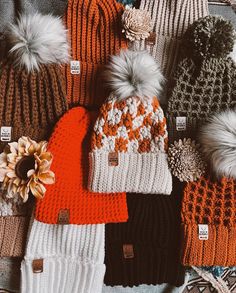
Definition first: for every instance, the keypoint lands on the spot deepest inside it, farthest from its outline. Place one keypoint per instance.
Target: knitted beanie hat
(32, 98)
(130, 138)
(209, 223)
(145, 249)
(205, 81)
(170, 19)
(68, 201)
(61, 259)
(97, 36)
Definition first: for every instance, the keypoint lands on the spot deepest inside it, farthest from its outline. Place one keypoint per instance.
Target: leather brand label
(113, 159)
(151, 40)
(63, 217)
(128, 251)
(37, 266)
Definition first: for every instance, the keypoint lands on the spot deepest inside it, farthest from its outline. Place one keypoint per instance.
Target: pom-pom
(38, 39)
(209, 37)
(218, 140)
(185, 160)
(137, 23)
(134, 73)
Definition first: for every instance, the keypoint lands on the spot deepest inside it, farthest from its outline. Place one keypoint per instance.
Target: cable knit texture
(73, 259)
(134, 130)
(98, 35)
(213, 203)
(153, 233)
(69, 145)
(171, 18)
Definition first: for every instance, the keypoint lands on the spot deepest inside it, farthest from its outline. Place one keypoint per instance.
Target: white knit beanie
(170, 20)
(63, 259)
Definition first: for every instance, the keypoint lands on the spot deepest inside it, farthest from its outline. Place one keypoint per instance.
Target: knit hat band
(219, 249)
(134, 172)
(13, 231)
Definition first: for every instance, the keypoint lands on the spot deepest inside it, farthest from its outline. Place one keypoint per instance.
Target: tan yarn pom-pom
(185, 160)
(137, 24)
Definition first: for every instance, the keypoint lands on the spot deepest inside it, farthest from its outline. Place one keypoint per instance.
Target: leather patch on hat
(151, 40)
(128, 251)
(63, 217)
(37, 266)
(113, 159)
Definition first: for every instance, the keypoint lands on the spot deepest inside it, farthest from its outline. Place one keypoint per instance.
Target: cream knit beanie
(170, 20)
(64, 258)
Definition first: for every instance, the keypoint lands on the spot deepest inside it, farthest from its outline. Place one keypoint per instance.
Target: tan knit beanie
(32, 99)
(170, 20)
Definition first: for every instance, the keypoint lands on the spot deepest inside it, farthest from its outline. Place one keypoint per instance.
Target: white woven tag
(181, 123)
(203, 232)
(75, 67)
(5, 133)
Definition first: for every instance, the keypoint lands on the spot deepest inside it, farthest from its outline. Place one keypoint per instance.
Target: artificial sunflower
(25, 167)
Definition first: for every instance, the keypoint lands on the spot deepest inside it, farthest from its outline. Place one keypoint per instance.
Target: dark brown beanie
(145, 249)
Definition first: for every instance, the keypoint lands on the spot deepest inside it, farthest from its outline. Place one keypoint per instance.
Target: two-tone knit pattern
(135, 130)
(213, 203)
(69, 145)
(170, 20)
(95, 34)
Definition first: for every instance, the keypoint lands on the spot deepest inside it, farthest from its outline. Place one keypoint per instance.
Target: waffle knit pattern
(171, 18)
(95, 34)
(136, 131)
(69, 145)
(73, 259)
(213, 203)
(200, 92)
(153, 232)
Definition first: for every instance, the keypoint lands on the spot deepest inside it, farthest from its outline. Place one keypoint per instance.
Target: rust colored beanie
(210, 203)
(95, 33)
(68, 201)
(32, 99)
(145, 249)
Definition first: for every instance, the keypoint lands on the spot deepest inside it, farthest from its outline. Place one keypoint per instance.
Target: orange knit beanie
(95, 34)
(209, 223)
(68, 201)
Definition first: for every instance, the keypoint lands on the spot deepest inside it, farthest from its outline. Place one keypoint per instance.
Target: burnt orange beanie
(95, 33)
(209, 223)
(68, 201)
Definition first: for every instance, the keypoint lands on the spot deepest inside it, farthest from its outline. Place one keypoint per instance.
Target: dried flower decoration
(25, 167)
(185, 160)
(137, 23)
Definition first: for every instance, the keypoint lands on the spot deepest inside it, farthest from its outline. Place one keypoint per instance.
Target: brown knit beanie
(32, 99)
(95, 34)
(145, 249)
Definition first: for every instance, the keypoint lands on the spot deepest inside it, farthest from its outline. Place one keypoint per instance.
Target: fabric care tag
(37, 266)
(128, 251)
(6, 133)
(113, 159)
(181, 123)
(151, 40)
(203, 232)
(63, 217)
(74, 67)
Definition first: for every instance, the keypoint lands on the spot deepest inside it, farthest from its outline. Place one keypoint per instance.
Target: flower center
(23, 166)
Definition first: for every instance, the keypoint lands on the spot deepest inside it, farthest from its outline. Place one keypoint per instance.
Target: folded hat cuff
(60, 274)
(138, 173)
(13, 234)
(218, 250)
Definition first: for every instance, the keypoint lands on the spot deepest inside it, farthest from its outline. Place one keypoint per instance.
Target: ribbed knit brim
(151, 236)
(98, 35)
(71, 259)
(13, 233)
(171, 19)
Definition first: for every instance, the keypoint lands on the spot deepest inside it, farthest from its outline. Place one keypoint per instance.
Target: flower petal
(47, 178)
(37, 189)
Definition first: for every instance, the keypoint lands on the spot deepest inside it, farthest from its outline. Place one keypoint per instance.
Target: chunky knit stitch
(95, 34)
(69, 145)
(213, 203)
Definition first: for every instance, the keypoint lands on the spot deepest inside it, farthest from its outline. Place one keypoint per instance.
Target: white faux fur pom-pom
(218, 140)
(38, 39)
(134, 73)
